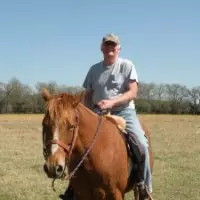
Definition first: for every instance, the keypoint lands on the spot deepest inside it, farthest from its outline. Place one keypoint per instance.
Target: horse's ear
(45, 94)
(78, 98)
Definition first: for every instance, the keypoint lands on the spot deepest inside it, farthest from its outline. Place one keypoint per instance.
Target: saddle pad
(119, 121)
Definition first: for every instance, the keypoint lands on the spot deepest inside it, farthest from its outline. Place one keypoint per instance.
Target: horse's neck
(88, 122)
(87, 118)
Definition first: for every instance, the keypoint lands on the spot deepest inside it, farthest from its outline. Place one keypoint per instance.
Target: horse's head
(60, 129)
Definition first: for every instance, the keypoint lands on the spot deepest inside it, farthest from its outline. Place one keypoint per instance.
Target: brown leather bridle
(69, 148)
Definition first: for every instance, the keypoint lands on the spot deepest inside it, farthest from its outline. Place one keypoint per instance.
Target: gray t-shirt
(110, 81)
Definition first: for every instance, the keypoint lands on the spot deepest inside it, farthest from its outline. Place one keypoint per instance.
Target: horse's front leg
(118, 195)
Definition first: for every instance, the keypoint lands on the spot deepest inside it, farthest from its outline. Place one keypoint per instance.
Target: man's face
(110, 50)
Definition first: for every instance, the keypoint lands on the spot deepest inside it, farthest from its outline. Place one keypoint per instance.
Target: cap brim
(110, 40)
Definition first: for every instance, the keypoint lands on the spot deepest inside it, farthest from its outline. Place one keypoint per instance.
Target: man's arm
(131, 94)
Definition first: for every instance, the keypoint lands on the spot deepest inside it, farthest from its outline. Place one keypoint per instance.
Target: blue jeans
(133, 126)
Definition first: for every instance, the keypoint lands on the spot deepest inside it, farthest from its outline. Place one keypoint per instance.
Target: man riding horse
(113, 84)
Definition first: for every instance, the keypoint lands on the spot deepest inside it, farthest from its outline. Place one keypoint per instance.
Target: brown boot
(68, 195)
(144, 193)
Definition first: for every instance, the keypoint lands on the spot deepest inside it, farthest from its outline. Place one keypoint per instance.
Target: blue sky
(42, 41)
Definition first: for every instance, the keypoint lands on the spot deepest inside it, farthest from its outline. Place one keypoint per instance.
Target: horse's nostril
(59, 169)
(45, 168)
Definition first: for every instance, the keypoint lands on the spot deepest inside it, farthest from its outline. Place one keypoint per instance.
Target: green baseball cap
(112, 38)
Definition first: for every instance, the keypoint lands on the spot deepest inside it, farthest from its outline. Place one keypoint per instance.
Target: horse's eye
(71, 127)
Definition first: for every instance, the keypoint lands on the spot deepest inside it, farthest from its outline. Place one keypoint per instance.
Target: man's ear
(120, 48)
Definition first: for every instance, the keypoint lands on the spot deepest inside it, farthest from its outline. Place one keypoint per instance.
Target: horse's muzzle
(53, 171)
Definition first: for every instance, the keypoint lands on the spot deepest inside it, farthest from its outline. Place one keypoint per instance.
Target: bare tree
(146, 91)
(194, 97)
(160, 92)
(176, 94)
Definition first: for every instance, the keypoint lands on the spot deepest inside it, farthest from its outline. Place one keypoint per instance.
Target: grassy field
(175, 141)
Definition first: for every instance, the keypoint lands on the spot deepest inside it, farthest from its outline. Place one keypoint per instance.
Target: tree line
(16, 97)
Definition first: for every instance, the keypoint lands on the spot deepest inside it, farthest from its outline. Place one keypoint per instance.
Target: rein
(87, 151)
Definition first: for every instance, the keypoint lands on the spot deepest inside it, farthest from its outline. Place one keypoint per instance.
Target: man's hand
(127, 96)
(106, 104)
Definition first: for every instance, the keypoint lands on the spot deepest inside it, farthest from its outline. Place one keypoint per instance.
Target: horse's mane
(60, 108)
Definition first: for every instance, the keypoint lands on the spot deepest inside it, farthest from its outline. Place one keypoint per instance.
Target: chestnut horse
(86, 148)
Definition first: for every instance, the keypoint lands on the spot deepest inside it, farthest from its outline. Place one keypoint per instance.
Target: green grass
(175, 141)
